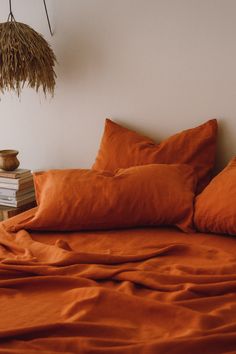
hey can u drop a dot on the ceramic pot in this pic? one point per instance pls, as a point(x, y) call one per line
point(8, 160)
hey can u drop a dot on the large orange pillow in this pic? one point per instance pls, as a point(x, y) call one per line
point(122, 148)
point(215, 207)
point(137, 196)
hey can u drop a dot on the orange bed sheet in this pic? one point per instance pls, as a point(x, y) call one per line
point(149, 291)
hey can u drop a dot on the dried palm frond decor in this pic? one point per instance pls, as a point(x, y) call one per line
point(25, 57)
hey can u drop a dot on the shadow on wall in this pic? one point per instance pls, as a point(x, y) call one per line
point(78, 58)
point(225, 142)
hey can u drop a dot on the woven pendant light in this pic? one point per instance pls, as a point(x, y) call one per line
point(25, 57)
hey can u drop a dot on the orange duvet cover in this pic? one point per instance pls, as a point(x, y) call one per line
point(149, 291)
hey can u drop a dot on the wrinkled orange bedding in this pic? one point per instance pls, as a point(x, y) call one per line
point(148, 291)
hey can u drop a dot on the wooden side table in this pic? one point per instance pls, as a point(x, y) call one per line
point(7, 212)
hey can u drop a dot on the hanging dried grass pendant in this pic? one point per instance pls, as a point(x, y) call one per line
point(25, 57)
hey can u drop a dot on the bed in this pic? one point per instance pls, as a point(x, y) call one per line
point(143, 290)
point(155, 273)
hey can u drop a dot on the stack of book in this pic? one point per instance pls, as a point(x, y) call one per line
point(16, 188)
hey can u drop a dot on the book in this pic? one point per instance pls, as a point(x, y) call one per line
point(16, 181)
point(21, 186)
point(4, 192)
point(18, 198)
point(8, 212)
point(18, 173)
point(16, 203)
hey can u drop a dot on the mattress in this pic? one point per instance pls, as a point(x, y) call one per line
point(144, 290)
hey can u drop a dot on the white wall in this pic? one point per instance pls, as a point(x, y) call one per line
point(159, 66)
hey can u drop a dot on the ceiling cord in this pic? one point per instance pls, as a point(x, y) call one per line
point(49, 24)
point(11, 16)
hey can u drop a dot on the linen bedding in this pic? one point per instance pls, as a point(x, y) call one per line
point(143, 290)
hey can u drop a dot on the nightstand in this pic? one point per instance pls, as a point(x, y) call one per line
point(7, 212)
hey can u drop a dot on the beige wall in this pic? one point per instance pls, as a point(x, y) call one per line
point(159, 66)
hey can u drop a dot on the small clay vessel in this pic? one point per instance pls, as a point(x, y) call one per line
point(8, 160)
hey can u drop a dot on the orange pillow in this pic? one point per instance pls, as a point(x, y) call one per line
point(215, 207)
point(122, 148)
point(137, 196)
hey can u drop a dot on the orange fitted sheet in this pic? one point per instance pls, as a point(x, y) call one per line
point(149, 291)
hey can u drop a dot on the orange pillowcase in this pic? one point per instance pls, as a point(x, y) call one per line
point(122, 148)
point(137, 196)
point(215, 207)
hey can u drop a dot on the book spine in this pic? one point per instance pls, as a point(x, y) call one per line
point(14, 193)
point(17, 199)
point(7, 193)
point(15, 181)
point(2, 198)
point(15, 175)
point(12, 211)
point(16, 203)
point(9, 186)
point(17, 187)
